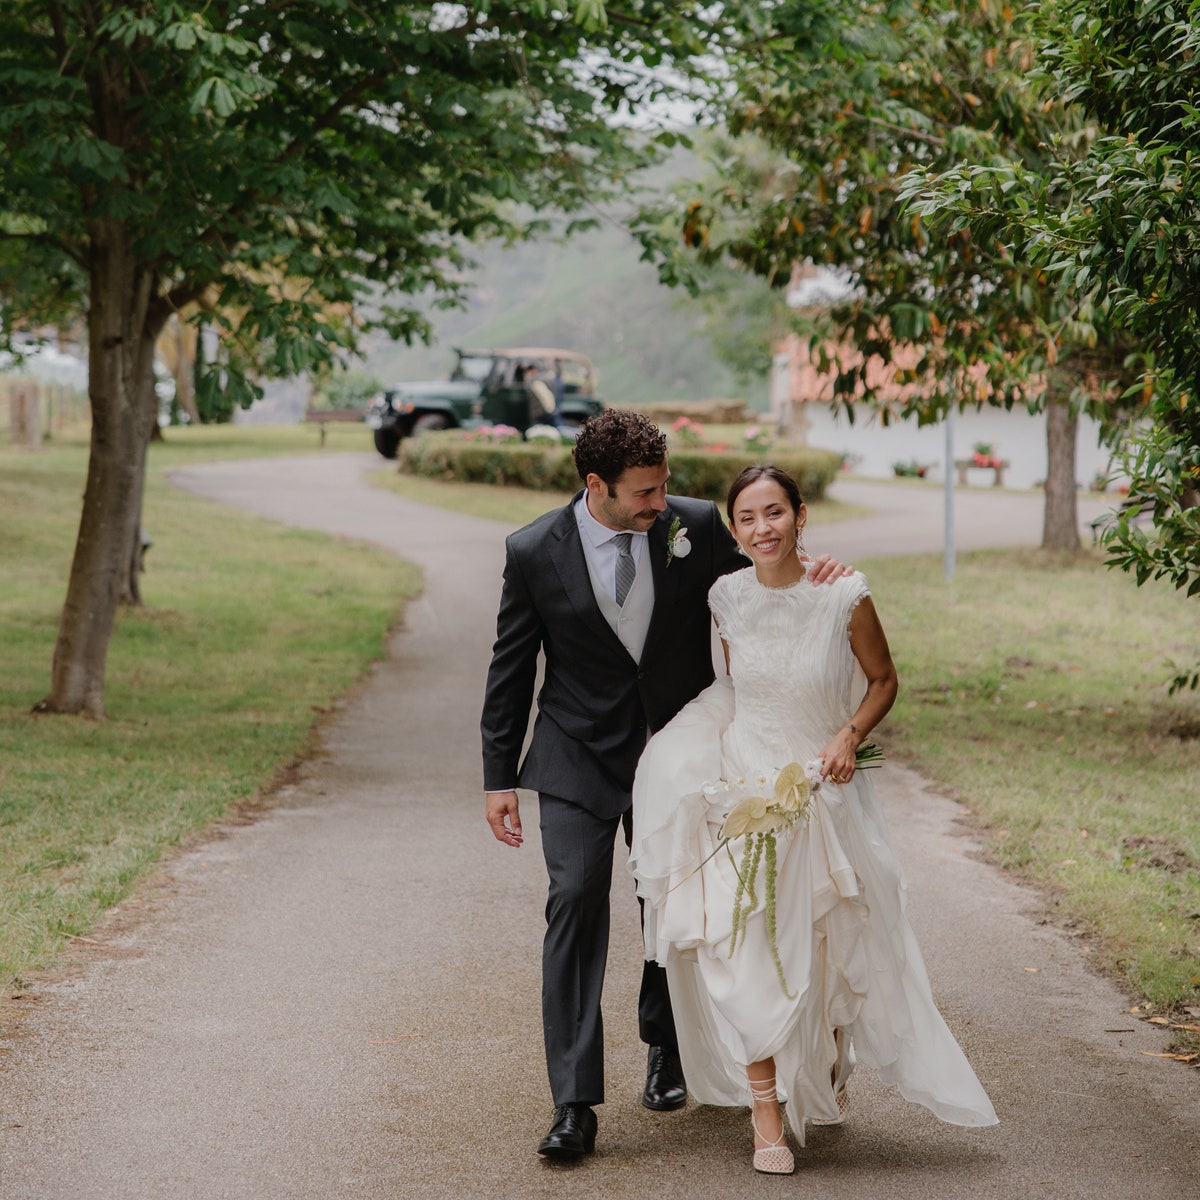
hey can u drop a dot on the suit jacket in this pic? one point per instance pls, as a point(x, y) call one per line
point(596, 706)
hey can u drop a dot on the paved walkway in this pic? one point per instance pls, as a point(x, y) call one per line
point(340, 999)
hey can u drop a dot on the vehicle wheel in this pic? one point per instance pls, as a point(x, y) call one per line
point(428, 422)
point(387, 442)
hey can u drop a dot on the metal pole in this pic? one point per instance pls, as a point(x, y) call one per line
point(948, 553)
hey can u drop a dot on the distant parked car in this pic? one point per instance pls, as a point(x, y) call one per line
point(487, 387)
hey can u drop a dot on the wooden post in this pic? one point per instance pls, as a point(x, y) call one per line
point(24, 416)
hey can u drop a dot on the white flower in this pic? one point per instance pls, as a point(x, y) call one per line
point(677, 544)
point(813, 769)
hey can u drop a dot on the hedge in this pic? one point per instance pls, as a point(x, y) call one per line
point(704, 474)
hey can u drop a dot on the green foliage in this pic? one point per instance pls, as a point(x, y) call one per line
point(274, 166)
point(1122, 219)
point(708, 475)
point(694, 472)
point(348, 388)
point(832, 106)
point(448, 456)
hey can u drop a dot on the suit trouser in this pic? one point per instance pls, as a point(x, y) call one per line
point(578, 847)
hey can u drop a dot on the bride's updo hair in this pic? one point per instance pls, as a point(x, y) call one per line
point(753, 475)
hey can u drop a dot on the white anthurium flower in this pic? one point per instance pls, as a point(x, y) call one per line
point(792, 790)
point(678, 545)
point(747, 816)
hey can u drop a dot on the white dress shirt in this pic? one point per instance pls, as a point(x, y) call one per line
point(599, 547)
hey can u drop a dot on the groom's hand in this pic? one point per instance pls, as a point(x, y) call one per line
point(503, 815)
point(826, 569)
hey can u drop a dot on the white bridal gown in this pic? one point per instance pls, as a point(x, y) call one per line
point(847, 951)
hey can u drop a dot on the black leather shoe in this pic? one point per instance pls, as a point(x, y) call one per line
point(572, 1134)
point(665, 1089)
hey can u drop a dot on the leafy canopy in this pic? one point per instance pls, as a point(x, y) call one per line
point(831, 105)
point(1122, 221)
point(293, 167)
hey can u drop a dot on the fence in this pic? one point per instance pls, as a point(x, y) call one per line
point(33, 410)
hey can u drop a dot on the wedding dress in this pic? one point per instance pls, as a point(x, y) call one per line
point(846, 951)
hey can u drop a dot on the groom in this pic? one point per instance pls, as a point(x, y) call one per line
point(612, 590)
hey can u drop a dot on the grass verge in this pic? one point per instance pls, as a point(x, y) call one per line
point(1033, 690)
point(250, 631)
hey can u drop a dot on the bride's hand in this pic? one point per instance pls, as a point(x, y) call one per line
point(838, 757)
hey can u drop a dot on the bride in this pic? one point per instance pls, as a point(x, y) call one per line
point(789, 962)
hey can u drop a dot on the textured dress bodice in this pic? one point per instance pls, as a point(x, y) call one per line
point(791, 665)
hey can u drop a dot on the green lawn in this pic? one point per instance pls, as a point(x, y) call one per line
point(1033, 690)
point(250, 631)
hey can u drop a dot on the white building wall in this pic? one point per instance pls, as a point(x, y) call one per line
point(1017, 436)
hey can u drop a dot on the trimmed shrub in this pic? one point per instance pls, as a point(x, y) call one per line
point(703, 474)
point(708, 475)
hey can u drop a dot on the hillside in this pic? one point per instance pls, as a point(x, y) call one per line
point(590, 294)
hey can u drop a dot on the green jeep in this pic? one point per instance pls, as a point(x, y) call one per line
point(519, 387)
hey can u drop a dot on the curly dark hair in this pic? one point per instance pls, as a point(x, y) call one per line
point(753, 475)
point(609, 444)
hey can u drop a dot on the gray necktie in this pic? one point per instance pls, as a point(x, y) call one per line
point(625, 566)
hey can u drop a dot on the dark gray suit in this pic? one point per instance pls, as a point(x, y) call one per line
point(596, 709)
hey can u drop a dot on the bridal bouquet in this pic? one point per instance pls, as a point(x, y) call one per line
point(760, 819)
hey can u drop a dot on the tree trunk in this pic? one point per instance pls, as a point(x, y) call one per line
point(1060, 530)
point(120, 361)
point(131, 585)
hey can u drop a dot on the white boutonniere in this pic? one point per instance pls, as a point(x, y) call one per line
point(678, 545)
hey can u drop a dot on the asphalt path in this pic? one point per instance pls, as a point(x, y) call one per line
point(339, 998)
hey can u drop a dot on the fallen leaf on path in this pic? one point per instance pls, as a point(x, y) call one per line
point(1183, 1058)
point(1031, 970)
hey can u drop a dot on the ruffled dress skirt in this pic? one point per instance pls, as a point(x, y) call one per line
point(850, 983)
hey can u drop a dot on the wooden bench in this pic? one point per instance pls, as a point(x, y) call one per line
point(997, 466)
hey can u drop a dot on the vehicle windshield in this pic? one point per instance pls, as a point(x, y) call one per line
point(475, 367)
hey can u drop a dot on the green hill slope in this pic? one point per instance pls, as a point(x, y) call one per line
point(590, 294)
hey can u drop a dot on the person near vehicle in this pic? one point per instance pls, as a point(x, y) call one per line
point(611, 592)
point(543, 402)
point(560, 385)
point(790, 970)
